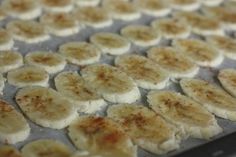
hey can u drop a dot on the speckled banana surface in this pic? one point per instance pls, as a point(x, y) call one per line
point(10, 60)
point(185, 5)
point(9, 151)
point(6, 41)
point(57, 5)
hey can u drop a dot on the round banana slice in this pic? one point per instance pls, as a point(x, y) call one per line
point(13, 126)
point(9, 151)
point(101, 136)
point(114, 85)
point(199, 52)
point(147, 129)
point(172, 28)
point(224, 44)
point(60, 24)
point(185, 5)
point(146, 73)
point(157, 8)
point(3, 13)
point(213, 98)
point(57, 5)
point(86, 3)
point(141, 35)
point(211, 3)
point(46, 148)
point(122, 10)
point(80, 53)
point(74, 87)
point(6, 41)
point(95, 17)
point(22, 9)
point(201, 24)
point(227, 80)
point(46, 107)
point(28, 76)
point(2, 84)
point(183, 111)
point(10, 60)
point(110, 43)
point(175, 63)
point(50, 62)
point(28, 31)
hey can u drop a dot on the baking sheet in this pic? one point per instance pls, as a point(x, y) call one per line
point(38, 132)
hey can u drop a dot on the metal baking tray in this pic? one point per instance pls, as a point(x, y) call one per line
point(197, 147)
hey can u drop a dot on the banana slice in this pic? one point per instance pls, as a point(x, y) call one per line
point(183, 111)
point(141, 35)
point(10, 60)
point(114, 85)
point(80, 53)
point(2, 84)
point(224, 44)
point(22, 9)
point(57, 5)
point(199, 52)
point(6, 41)
point(201, 24)
point(157, 8)
point(230, 5)
point(211, 3)
point(46, 107)
point(3, 13)
point(175, 63)
point(28, 31)
point(227, 79)
point(13, 126)
point(185, 5)
point(172, 28)
point(96, 17)
point(60, 24)
point(101, 136)
point(213, 98)
point(28, 76)
point(9, 151)
point(86, 3)
point(110, 43)
point(122, 10)
point(84, 154)
point(45, 148)
point(146, 73)
point(50, 62)
point(147, 129)
point(73, 86)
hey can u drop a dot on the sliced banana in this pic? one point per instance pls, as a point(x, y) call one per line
point(57, 5)
point(6, 41)
point(80, 53)
point(211, 3)
point(157, 8)
point(22, 9)
point(84, 154)
point(46, 148)
point(101, 136)
point(175, 63)
point(213, 98)
point(27, 31)
point(13, 126)
point(110, 43)
point(199, 52)
point(2, 84)
point(227, 79)
point(46, 107)
point(28, 76)
point(146, 73)
point(185, 5)
point(10, 60)
point(200, 24)
point(224, 44)
point(9, 151)
point(96, 17)
point(122, 10)
point(60, 24)
point(73, 86)
point(50, 62)
point(172, 28)
point(147, 129)
point(183, 111)
point(141, 35)
point(230, 5)
point(113, 84)
point(86, 3)
point(3, 13)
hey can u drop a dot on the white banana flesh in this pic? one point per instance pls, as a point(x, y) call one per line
point(211, 3)
point(10, 60)
point(185, 5)
point(86, 3)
